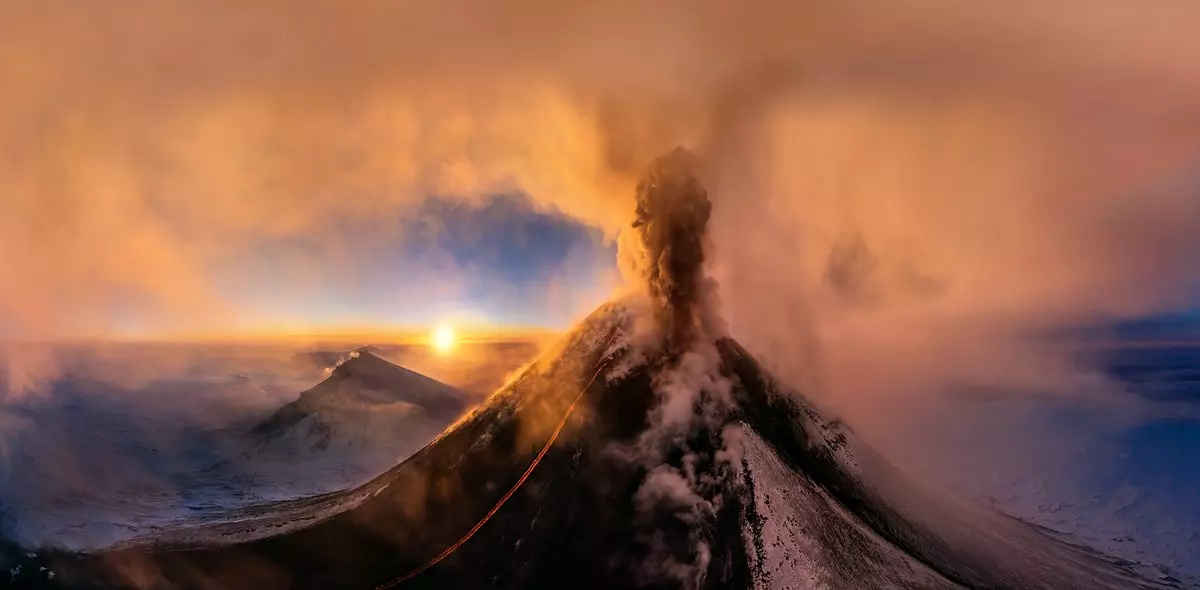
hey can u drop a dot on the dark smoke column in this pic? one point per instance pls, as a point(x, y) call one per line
point(672, 216)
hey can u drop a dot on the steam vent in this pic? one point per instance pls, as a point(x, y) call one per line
point(605, 465)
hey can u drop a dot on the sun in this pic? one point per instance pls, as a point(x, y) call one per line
point(443, 339)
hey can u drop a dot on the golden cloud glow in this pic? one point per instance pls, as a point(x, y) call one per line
point(122, 183)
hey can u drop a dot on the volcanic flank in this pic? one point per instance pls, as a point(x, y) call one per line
point(349, 427)
point(635, 454)
point(360, 385)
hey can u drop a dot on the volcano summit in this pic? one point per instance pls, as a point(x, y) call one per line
point(647, 450)
point(342, 409)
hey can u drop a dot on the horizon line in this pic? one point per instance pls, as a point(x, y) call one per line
point(413, 336)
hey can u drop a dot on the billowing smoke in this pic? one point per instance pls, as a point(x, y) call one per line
point(691, 466)
point(672, 222)
point(683, 451)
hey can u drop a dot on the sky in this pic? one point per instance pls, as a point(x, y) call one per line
point(271, 166)
point(499, 265)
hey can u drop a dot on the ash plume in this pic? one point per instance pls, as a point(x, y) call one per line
point(672, 219)
point(683, 451)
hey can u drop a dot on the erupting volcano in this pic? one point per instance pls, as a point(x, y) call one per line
point(648, 449)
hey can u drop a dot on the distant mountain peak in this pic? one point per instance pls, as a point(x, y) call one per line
point(364, 363)
point(360, 381)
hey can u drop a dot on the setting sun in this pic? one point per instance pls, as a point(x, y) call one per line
point(443, 339)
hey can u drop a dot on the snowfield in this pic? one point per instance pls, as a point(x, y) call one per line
point(90, 463)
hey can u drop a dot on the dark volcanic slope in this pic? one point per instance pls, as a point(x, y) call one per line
point(804, 505)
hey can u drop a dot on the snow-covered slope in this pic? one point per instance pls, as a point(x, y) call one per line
point(367, 415)
point(90, 463)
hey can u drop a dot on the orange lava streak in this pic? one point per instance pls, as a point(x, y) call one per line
point(452, 548)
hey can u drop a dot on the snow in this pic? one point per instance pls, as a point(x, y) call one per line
point(92, 464)
point(804, 548)
point(1118, 475)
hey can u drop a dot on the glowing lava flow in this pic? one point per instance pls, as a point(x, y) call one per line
point(524, 476)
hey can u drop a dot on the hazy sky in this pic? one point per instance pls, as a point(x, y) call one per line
point(267, 165)
point(495, 265)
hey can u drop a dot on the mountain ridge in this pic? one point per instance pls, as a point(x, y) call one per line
point(365, 380)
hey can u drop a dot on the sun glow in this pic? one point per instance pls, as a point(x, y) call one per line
point(443, 339)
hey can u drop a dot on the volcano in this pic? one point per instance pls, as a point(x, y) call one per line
point(364, 417)
point(343, 409)
point(646, 450)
